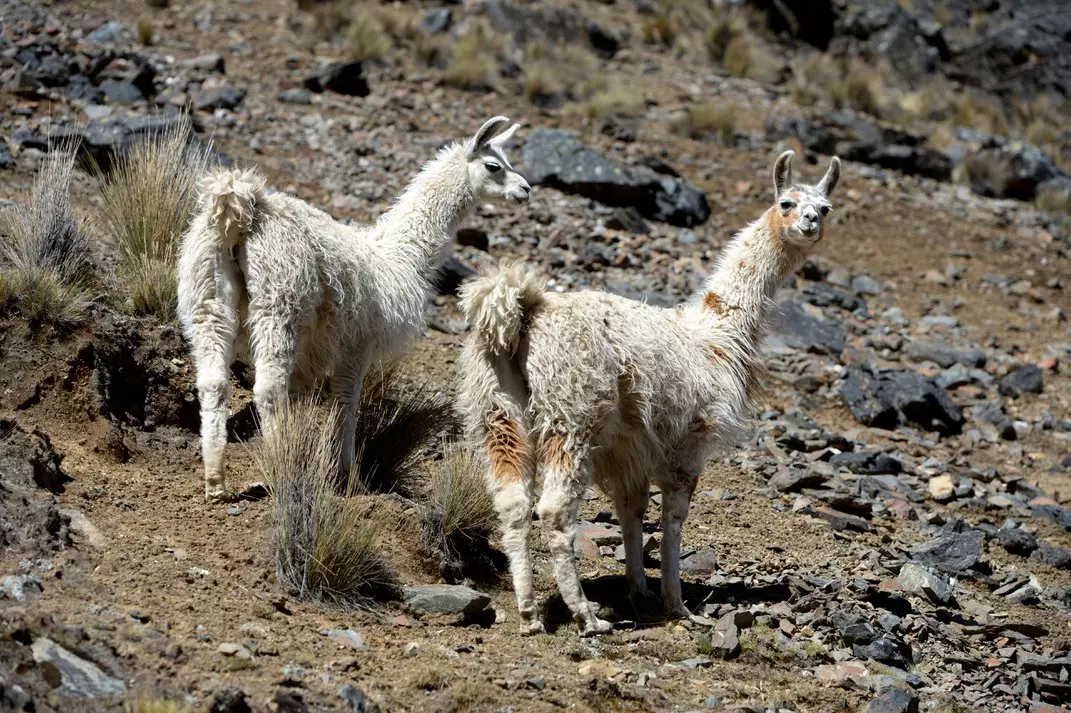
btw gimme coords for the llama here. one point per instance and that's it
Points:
(590, 387)
(313, 297)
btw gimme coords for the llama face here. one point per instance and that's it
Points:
(490, 172)
(800, 208)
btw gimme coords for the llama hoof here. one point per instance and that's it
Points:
(678, 612)
(218, 495)
(531, 628)
(595, 626)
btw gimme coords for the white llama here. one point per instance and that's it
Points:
(315, 298)
(590, 387)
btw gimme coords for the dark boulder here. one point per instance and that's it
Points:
(558, 159)
(808, 329)
(1001, 170)
(957, 553)
(1024, 379)
(944, 355)
(867, 463)
(549, 23)
(885, 399)
(342, 78)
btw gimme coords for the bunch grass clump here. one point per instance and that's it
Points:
(396, 426)
(620, 101)
(559, 72)
(45, 266)
(709, 119)
(146, 704)
(148, 198)
(458, 504)
(475, 59)
(860, 88)
(327, 546)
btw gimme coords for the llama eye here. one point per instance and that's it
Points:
(493, 167)
(787, 205)
(825, 210)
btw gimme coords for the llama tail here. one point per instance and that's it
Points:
(498, 304)
(229, 198)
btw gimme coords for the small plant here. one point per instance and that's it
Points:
(327, 547)
(554, 73)
(367, 38)
(145, 32)
(395, 427)
(811, 79)
(148, 198)
(981, 114)
(155, 705)
(475, 63)
(619, 102)
(458, 504)
(45, 268)
(718, 120)
(860, 88)
(1054, 200)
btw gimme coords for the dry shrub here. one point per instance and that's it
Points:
(457, 500)
(45, 267)
(145, 32)
(619, 101)
(673, 20)
(327, 547)
(860, 88)
(980, 113)
(931, 102)
(475, 58)
(811, 79)
(558, 72)
(1054, 200)
(367, 38)
(155, 705)
(148, 198)
(659, 30)
(708, 119)
(370, 29)
(432, 50)
(396, 426)
(746, 56)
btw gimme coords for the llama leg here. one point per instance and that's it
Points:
(510, 478)
(559, 508)
(213, 390)
(676, 497)
(347, 383)
(630, 511)
(274, 355)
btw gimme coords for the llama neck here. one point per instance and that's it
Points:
(421, 224)
(751, 268)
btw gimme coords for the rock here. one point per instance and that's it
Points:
(230, 700)
(208, 62)
(953, 553)
(804, 327)
(943, 355)
(628, 219)
(218, 97)
(883, 399)
(858, 633)
(885, 650)
(725, 639)
(942, 489)
(820, 294)
(867, 463)
(288, 700)
(557, 159)
(347, 637)
(841, 520)
(121, 92)
(550, 23)
(236, 650)
(21, 587)
(590, 537)
(111, 31)
(445, 599)
(1009, 171)
(72, 675)
(1024, 379)
(356, 700)
(700, 564)
(6, 160)
(342, 78)
(296, 95)
(894, 700)
(916, 579)
(1052, 555)
(436, 21)
(451, 273)
(598, 668)
(1017, 540)
(866, 285)
(790, 480)
(84, 529)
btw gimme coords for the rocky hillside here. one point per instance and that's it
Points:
(892, 536)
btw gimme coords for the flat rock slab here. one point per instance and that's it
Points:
(77, 677)
(445, 599)
(558, 159)
(803, 326)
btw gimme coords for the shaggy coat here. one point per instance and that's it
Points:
(311, 297)
(588, 387)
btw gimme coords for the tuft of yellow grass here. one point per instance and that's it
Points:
(475, 58)
(618, 101)
(709, 119)
(147, 200)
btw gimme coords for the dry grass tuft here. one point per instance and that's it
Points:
(475, 60)
(45, 268)
(810, 80)
(659, 30)
(981, 114)
(149, 197)
(1054, 200)
(367, 38)
(326, 546)
(396, 426)
(458, 504)
(553, 73)
(860, 88)
(145, 32)
(717, 120)
(155, 705)
(619, 101)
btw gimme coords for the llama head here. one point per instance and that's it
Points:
(490, 172)
(797, 215)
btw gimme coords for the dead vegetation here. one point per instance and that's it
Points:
(709, 120)
(474, 63)
(619, 101)
(45, 267)
(326, 545)
(148, 704)
(147, 200)
(559, 72)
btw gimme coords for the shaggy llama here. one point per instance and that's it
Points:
(313, 297)
(590, 387)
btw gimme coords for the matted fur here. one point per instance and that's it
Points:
(622, 394)
(313, 297)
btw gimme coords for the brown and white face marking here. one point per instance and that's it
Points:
(797, 216)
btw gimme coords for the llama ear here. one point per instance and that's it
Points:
(782, 173)
(486, 133)
(505, 136)
(829, 181)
